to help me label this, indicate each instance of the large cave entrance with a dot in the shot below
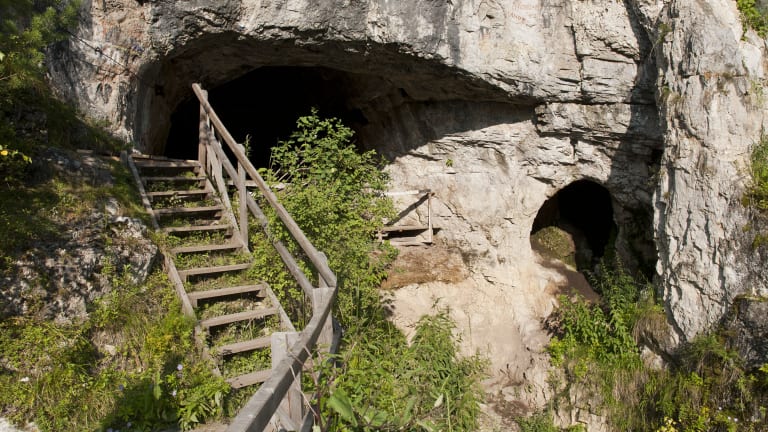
(576, 225)
(263, 105)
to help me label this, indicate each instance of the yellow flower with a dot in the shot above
(4, 152)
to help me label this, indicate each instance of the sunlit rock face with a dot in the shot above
(495, 106)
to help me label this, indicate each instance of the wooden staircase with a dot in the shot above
(208, 262)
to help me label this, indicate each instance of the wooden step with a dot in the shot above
(206, 248)
(237, 317)
(173, 178)
(179, 193)
(244, 346)
(165, 163)
(194, 296)
(197, 228)
(197, 271)
(187, 211)
(403, 228)
(249, 379)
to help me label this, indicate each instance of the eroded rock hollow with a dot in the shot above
(496, 107)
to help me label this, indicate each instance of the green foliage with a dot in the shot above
(757, 195)
(26, 29)
(601, 332)
(753, 17)
(59, 377)
(555, 243)
(334, 192)
(387, 385)
(43, 210)
(707, 389)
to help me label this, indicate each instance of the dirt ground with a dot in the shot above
(498, 315)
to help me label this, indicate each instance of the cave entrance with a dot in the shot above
(576, 225)
(263, 105)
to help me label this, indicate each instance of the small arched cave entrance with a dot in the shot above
(576, 225)
(263, 106)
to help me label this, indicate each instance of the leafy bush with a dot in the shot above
(706, 389)
(27, 28)
(387, 385)
(753, 17)
(334, 192)
(602, 332)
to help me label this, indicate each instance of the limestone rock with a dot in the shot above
(707, 71)
(495, 106)
(59, 277)
(748, 325)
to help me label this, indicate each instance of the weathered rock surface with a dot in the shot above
(747, 325)
(709, 88)
(495, 106)
(59, 277)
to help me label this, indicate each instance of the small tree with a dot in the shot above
(335, 194)
(26, 28)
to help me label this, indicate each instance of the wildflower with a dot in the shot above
(121, 387)
(173, 393)
(4, 152)
(25, 379)
(179, 367)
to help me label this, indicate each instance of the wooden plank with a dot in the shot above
(197, 271)
(187, 210)
(260, 408)
(173, 178)
(249, 345)
(410, 242)
(409, 192)
(142, 156)
(168, 163)
(205, 248)
(194, 296)
(162, 194)
(402, 228)
(237, 317)
(197, 228)
(144, 197)
(249, 379)
(291, 409)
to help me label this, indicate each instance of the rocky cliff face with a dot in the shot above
(496, 106)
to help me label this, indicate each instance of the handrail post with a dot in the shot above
(243, 199)
(292, 405)
(326, 334)
(203, 134)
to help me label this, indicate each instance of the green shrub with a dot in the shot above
(26, 29)
(388, 385)
(707, 388)
(334, 192)
(753, 17)
(56, 376)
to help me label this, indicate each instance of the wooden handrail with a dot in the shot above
(314, 256)
(262, 407)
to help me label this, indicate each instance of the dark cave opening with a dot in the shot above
(584, 211)
(264, 105)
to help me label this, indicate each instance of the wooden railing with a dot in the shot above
(279, 399)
